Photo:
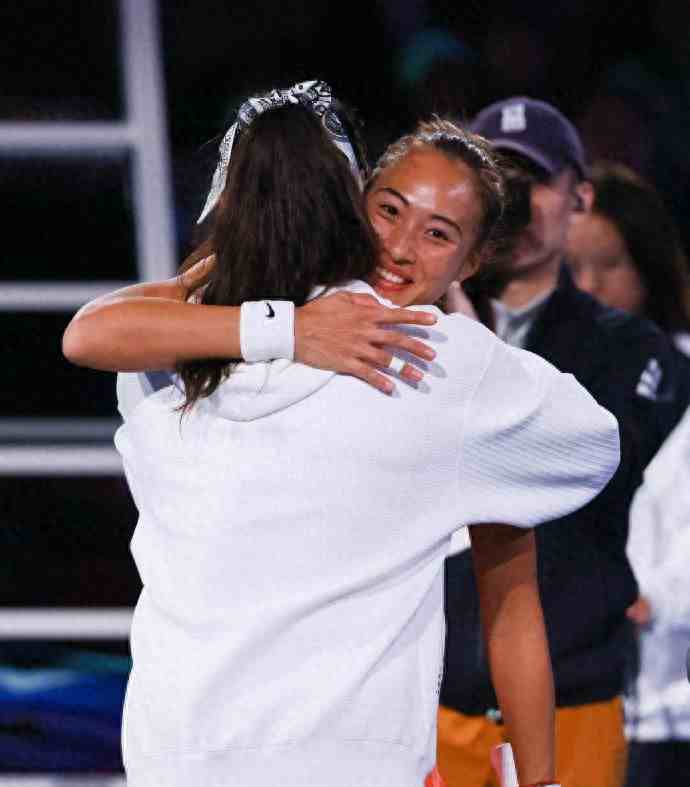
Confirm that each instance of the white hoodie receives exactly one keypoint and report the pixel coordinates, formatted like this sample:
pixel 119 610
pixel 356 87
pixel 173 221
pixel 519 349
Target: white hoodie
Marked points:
pixel 659 549
pixel 291 541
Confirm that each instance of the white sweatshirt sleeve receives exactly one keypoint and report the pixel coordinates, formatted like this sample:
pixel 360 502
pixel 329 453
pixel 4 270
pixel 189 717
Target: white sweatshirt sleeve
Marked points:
pixel 659 541
pixel 668 590
pixel 537 446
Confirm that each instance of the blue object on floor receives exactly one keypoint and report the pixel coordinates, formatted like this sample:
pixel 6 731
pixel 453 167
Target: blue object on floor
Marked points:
pixel 63 719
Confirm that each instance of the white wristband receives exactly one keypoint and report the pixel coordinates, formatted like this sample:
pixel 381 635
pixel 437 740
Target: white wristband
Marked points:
pixel 267 330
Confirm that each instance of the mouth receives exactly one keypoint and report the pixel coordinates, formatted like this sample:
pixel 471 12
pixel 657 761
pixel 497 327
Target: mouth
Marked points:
pixel 387 280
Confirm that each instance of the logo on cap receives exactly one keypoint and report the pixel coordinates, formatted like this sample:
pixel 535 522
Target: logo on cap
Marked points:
pixel 513 118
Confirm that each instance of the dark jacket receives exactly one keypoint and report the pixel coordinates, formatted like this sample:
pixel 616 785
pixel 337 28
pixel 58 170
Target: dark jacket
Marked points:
pixel 586 582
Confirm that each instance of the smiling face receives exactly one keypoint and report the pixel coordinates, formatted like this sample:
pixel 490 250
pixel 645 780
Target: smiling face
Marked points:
pixel 427 212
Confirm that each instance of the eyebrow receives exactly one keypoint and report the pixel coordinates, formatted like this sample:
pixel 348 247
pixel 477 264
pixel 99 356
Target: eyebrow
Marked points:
pixel 436 216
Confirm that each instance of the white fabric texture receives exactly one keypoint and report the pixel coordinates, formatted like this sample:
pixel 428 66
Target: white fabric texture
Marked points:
pixel 291 538
pixel 659 549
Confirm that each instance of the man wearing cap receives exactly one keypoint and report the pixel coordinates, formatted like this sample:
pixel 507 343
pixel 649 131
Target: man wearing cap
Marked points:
pixel 585 579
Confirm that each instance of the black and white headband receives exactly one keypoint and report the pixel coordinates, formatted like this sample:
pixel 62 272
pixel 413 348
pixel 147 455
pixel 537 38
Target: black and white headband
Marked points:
pixel 315 95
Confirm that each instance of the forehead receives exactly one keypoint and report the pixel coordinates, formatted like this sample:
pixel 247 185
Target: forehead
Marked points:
pixel 430 178
pixel 430 165
pixel 596 232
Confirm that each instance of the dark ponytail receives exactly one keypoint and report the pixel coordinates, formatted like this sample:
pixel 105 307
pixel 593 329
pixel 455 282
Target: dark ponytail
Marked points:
pixel 290 218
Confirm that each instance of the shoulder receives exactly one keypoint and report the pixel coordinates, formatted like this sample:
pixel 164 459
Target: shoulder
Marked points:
pixel 611 333
pixel 460 327
pixel 461 338
pixel 606 321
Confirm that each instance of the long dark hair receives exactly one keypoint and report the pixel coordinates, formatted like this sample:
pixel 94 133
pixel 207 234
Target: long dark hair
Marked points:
pixel 650 234
pixel 290 218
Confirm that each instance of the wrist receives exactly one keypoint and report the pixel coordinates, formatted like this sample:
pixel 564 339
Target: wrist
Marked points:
pixel 267 330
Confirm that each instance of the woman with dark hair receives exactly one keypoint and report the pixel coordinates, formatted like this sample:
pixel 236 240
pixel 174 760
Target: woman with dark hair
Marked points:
pixel 311 516
pixel 628 254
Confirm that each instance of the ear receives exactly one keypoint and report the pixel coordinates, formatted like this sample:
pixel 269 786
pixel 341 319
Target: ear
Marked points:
pixel 470 266
pixel 584 196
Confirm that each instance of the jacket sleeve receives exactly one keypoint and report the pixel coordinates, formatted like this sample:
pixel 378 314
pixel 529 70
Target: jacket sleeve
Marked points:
pixel 537 446
pixel 659 542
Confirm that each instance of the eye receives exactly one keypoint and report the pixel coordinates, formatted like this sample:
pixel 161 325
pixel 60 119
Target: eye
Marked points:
pixel 438 234
pixel 388 209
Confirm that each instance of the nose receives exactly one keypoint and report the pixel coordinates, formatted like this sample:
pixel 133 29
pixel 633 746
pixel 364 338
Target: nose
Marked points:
pixel 401 245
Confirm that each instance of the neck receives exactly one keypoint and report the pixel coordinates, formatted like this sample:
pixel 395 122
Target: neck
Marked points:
pixel 526 285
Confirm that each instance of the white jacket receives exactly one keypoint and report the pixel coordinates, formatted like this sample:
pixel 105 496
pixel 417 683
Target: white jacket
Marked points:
pixel 291 541
pixel 659 551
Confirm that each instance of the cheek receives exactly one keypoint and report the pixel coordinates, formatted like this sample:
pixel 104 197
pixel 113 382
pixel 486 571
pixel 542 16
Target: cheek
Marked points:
pixel 554 211
pixel 382 231
pixel 626 290
pixel 439 271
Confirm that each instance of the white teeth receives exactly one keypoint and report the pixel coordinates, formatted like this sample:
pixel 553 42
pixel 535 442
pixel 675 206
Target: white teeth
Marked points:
pixel 388 276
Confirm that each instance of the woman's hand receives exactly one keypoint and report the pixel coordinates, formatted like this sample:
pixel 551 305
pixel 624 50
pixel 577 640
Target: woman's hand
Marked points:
pixel 198 274
pixel 640 612
pixel 351 333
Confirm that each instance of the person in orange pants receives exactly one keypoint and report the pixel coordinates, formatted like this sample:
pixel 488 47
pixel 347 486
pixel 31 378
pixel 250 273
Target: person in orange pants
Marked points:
pixel 596 760
pixel 586 583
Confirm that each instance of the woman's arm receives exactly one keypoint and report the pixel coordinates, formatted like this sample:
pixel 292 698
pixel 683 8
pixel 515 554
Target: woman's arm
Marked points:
pixel 513 626
pixel 150 326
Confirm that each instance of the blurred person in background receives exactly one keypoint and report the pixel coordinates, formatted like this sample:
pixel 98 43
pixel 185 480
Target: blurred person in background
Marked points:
pixel 585 578
pixel 627 253
pixel 434 200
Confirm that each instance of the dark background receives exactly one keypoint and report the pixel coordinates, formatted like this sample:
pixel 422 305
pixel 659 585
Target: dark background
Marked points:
pixel 620 70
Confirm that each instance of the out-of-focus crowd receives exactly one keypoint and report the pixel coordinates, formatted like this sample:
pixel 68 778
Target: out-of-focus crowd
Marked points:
pixel 592 276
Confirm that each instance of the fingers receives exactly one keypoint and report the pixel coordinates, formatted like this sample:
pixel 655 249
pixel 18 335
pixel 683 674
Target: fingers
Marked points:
pixel 370 375
pixel 411 373
pixel 382 358
pixel 407 316
pixel 362 299
pixel 192 276
pixel 352 333
pixel 387 316
pixel 401 341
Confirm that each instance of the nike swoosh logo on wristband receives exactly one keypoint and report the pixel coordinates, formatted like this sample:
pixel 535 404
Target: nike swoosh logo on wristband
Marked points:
pixel 270 313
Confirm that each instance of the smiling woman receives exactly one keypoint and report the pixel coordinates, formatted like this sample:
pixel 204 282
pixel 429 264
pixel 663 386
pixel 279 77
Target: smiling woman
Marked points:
pixel 434 200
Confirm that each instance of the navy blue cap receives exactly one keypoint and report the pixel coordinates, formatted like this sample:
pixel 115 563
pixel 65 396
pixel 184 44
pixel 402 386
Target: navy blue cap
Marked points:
pixel 535 129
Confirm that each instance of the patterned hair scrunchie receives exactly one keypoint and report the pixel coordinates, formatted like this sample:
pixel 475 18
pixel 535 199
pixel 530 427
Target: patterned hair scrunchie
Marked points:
pixel 315 95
